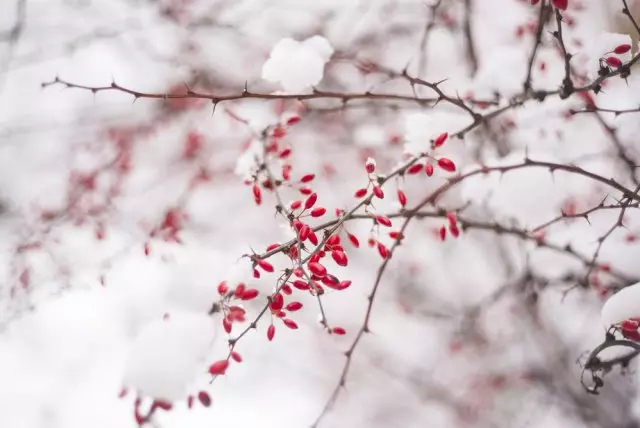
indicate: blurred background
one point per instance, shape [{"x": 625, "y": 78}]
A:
[{"x": 485, "y": 330}]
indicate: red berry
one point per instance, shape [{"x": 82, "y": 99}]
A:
[
  {"x": 227, "y": 325},
  {"x": 414, "y": 169},
  {"x": 452, "y": 219},
  {"x": 340, "y": 258},
  {"x": 613, "y": 61},
  {"x": 277, "y": 302},
  {"x": 164, "y": 405},
  {"x": 360, "y": 193},
  {"x": 318, "y": 212},
  {"x": 265, "y": 265},
  {"x": 383, "y": 220},
  {"x": 204, "y": 398},
  {"x": 223, "y": 288},
  {"x": 290, "y": 323},
  {"x": 443, "y": 233},
  {"x": 307, "y": 178},
  {"x": 354, "y": 240},
  {"x": 271, "y": 331},
  {"x": 293, "y": 120},
  {"x": 257, "y": 194},
  {"x": 236, "y": 356},
  {"x": 343, "y": 285},
  {"x": 370, "y": 166},
  {"x": 333, "y": 240},
  {"x": 300, "y": 285},
  {"x": 219, "y": 367},
  {"x": 311, "y": 200},
  {"x": 305, "y": 232},
  {"x": 293, "y": 306},
  {"x": 396, "y": 235},
  {"x": 338, "y": 330},
  {"x": 402, "y": 198},
  {"x": 313, "y": 238},
  {"x": 295, "y": 205},
  {"x": 250, "y": 294},
  {"x": 377, "y": 191},
  {"x": 621, "y": 49},
  {"x": 428, "y": 168},
  {"x": 286, "y": 171},
  {"x": 440, "y": 140},
  {"x": 317, "y": 269},
  {"x": 239, "y": 291},
  {"x": 286, "y": 289},
  {"x": 560, "y": 4},
  {"x": 446, "y": 164},
  {"x": 279, "y": 132},
  {"x": 383, "y": 251}
]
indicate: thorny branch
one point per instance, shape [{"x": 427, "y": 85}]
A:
[
  {"x": 431, "y": 23},
  {"x": 567, "y": 84},
  {"x": 543, "y": 16},
  {"x": 472, "y": 56},
  {"x": 599, "y": 367}
]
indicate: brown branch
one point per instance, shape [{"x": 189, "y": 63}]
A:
[
  {"x": 472, "y": 56},
  {"x": 627, "y": 12},
  {"x": 245, "y": 94},
  {"x": 431, "y": 23},
  {"x": 543, "y": 16},
  {"x": 13, "y": 34},
  {"x": 603, "y": 238},
  {"x": 620, "y": 149},
  {"x": 584, "y": 214},
  {"x": 606, "y": 110},
  {"x": 567, "y": 87}
]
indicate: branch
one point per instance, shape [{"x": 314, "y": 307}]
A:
[
  {"x": 606, "y": 110},
  {"x": 542, "y": 18},
  {"x": 245, "y": 94},
  {"x": 567, "y": 84},
  {"x": 468, "y": 34},
  {"x": 627, "y": 12},
  {"x": 431, "y": 23}
]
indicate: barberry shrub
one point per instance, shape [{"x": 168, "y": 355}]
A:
[{"x": 393, "y": 213}]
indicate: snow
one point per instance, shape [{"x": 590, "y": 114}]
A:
[
  {"x": 297, "y": 66},
  {"x": 168, "y": 355},
  {"x": 621, "y": 306}
]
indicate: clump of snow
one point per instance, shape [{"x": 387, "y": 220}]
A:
[
  {"x": 623, "y": 305},
  {"x": 296, "y": 66},
  {"x": 491, "y": 76},
  {"x": 168, "y": 355}
]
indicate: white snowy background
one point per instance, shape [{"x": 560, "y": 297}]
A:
[{"x": 456, "y": 340}]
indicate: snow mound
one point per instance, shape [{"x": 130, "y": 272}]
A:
[
  {"x": 297, "y": 66},
  {"x": 168, "y": 354},
  {"x": 623, "y": 305}
]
